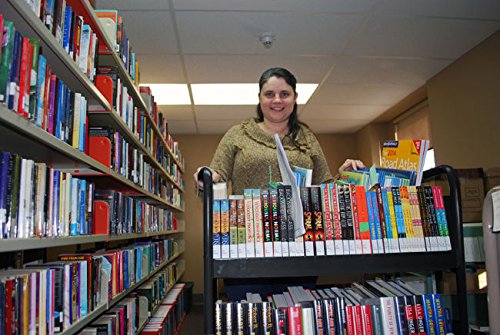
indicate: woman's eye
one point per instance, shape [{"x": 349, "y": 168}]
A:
[
  {"x": 285, "y": 94},
  {"x": 269, "y": 94}
]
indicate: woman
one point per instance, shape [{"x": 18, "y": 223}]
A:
[
  {"x": 246, "y": 156},
  {"x": 247, "y": 152}
]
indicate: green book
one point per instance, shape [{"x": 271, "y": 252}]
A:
[
  {"x": 33, "y": 97},
  {"x": 6, "y": 61}
]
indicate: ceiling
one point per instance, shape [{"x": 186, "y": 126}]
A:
[{"x": 366, "y": 55}]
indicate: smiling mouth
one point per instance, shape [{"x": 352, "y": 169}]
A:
[{"x": 277, "y": 109}]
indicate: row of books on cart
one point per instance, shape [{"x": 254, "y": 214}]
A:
[
  {"x": 339, "y": 219},
  {"x": 373, "y": 307}
]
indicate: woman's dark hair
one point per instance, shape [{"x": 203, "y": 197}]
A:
[{"x": 293, "y": 121}]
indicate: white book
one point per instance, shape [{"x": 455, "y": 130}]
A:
[
  {"x": 84, "y": 47},
  {"x": 23, "y": 180}
]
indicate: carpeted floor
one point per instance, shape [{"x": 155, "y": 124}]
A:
[{"x": 193, "y": 324}]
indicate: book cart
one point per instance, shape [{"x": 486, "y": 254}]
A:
[
  {"x": 341, "y": 265},
  {"x": 21, "y": 136}
]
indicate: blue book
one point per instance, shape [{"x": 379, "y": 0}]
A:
[
  {"x": 371, "y": 221},
  {"x": 82, "y": 207},
  {"x": 74, "y": 222},
  {"x": 4, "y": 179},
  {"x": 376, "y": 217},
  {"x": 59, "y": 111},
  {"x": 82, "y": 123},
  {"x": 138, "y": 262},
  {"x": 56, "y": 228},
  {"x": 439, "y": 312},
  {"x": 84, "y": 303},
  {"x": 67, "y": 29},
  {"x": 126, "y": 281},
  {"x": 40, "y": 89},
  {"x": 430, "y": 315},
  {"x": 388, "y": 222},
  {"x": 400, "y": 222}
]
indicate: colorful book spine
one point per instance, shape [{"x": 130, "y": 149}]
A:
[
  {"x": 328, "y": 221},
  {"x": 285, "y": 250},
  {"x": 364, "y": 225},
  {"x": 337, "y": 226},
  {"x": 216, "y": 230},
  {"x": 242, "y": 240},
  {"x": 249, "y": 224},
  {"x": 233, "y": 227},
  {"x": 305, "y": 198},
  {"x": 224, "y": 228},
  {"x": 358, "y": 246}
]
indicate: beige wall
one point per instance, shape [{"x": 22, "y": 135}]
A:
[
  {"x": 198, "y": 150},
  {"x": 464, "y": 102}
]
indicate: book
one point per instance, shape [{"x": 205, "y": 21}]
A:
[{"x": 405, "y": 155}]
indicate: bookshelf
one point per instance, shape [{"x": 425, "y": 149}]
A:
[
  {"x": 342, "y": 265},
  {"x": 22, "y": 137}
]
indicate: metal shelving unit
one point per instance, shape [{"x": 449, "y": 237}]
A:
[
  {"x": 341, "y": 265},
  {"x": 23, "y": 137}
]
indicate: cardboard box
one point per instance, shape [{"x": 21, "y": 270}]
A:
[
  {"x": 492, "y": 176},
  {"x": 472, "y": 193}
]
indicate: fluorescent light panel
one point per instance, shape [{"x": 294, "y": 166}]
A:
[
  {"x": 170, "y": 94},
  {"x": 218, "y": 94}
]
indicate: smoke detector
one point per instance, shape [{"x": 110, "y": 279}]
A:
[{"x": 267, "y": 40}]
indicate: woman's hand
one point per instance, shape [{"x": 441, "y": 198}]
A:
[
  {"x": 351, "y": 164},
  {"x": 199, "y": 183}
]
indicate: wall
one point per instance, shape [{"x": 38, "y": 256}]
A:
[
  {"x": 369, "y": 140},
  {"x": 464, "y": 102},
  {"x": 198, "y": 150}
]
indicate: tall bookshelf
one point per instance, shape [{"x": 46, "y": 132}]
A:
[
  {"x": 342, "y": 265},
  {"x": 21, "y": 136}
]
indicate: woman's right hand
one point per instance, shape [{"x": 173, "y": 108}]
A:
[{"x": 199, "y": 183}]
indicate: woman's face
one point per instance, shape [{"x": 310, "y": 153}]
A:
[{"x": 277, "y": 100}]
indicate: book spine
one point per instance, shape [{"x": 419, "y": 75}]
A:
[
  {"x": 285, "y": 250},
  {"x": 258, "y": 225},
  {"x": 327, "y": 214},
  {"x": 318, "y": 223},
  {"x": 216, "y": 230},
  {"x": 249, "y": 224},
  {"x": 224, "y": 228},
  {"x": 358, "y": 245},
  {"x": 308, "y": 221},
  {"x": 240, "y": 209},
  {"x": 267, "y": 225},
  {"x": 233, "y": 228},
  {"x": 275, "y": 220},
  {"x": 337, "y": 226}
]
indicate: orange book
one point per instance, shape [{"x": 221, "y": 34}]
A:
[{"x": 109, "y": 23}]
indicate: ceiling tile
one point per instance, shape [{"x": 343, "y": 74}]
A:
[
  {"x": 215, "y": 127},
  {"x": 360, "y": 95},
  {"x": 150, "y": 32},
  {"x": 474, "y": 9},
  {"x": 248, "y": 68},
  {"x": 155, "y": 69},
  {"x": 341, "y": 6},
  {"x": 233, "y": 113},
  {"x": 354, "y": 112},
  {"x": 419, "y": 37},
  {"x": 238, "y": 32},
  {"x": 133, "y": 5},
  {"x": 385, "y": 71}
]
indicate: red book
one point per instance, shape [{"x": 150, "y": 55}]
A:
[
  {"x": 77, "y": 33},
  {"x": 10, "y": 293},
  {"x": 366, "y": 314},
  {"x": 349, "y": 315},
  {"x": 294, "y": 321},
  {"x": 1, "y": 33},
  {"x": 358, "y": 320},
  {"x": 23, "y": 75}
]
